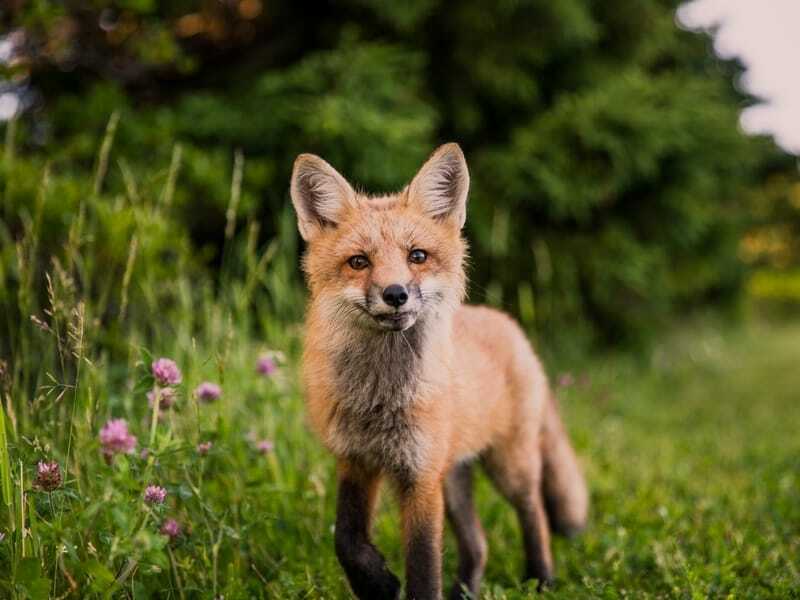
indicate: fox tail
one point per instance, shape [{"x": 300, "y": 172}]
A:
[{"x": 563, "y": 485}]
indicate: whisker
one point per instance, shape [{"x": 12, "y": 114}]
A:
[{"x": 405, "y": 339}]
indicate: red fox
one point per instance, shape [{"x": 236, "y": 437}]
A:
[{"x": 405, "y": 382}]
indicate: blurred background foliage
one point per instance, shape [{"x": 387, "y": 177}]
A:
[{"x": 612, "y": 187}]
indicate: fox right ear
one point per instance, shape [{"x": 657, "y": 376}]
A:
[{"x": 319, "y": 194}]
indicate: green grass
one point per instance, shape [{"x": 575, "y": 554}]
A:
[
  {"x": 693, "y": 461},
  {"x": 692, "y": 458},
  {"x": 692, "y": 452}
]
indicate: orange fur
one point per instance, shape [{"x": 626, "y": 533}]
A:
[{"x": 413, "y": 392}]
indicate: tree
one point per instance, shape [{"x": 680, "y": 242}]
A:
[{"x": 608, "y": 168}]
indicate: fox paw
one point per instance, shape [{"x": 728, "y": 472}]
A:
[{"x": 387, "y": 588}]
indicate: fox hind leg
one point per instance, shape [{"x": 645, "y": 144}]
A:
[
  {"x": 516, "y": 470},
  {"x": 472, "y": 547}
]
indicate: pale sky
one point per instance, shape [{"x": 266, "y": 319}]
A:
[{"x": 765, "y": 36}]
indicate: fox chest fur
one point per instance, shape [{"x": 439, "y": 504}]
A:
[{"x": 377, "y": 380}]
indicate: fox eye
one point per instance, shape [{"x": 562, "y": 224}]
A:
[
  {"x": 418, "y": 256},
  {"x": 358, "y": 262}
]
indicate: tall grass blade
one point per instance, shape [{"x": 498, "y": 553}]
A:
[
  {"x": 236, "y": 193},
  {"x": 172, "y": 176},
  {"x": 5, "y": 470},
  {"x": 126, "y": 277},
  {"x": 105, "y": 151}
]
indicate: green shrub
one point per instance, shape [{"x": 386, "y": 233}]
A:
[{"x": 610, "y": 178}]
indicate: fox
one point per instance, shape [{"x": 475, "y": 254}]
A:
[{"x": 405, "y": 383}]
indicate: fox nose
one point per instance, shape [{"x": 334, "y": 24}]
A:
[{"x": 395, "y": 295}]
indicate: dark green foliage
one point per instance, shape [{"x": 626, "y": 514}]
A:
[{"x": 608, "y": 168}]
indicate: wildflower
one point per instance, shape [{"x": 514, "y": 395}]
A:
[
  {"x": 48, "y": 476},
  {"x": 566, "y": 380},
  {"x": 208, "y": 392},
  {"x": 171, "y": 528},
  {"x": 265, "y": 446},
  {"x": 166, "y": 372},
  {"x": 155, "y": 494},
  {"x": 266, "y": 365},
  {"x": 144, "y": 454},
  {"x": 167, "y": 397},
  {"x": 115, "y": 438},
  {"x": 203, "y": 448}
]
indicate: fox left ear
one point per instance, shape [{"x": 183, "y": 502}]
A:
[{"x": 440, "y": 188}]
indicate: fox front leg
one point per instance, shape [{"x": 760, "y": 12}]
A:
[
  {"x": 423, "y": 517},
  {"x": 363, "y": 564}
]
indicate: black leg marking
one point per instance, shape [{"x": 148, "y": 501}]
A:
[
  {"x": 536, "y": 540},
  {"x": 423, "y": 519},
  {"x": 364, "y": 565},
  {"x": 472, "y": 548},
  {"x": 520, "y": 482},
  {"x": 423, "y": 565}
]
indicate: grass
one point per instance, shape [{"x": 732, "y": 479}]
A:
[
  {"x": 692, "y": 458},
  {"x": 691, "y": 452}
]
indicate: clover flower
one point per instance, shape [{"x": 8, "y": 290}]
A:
[
  {"x": 204, "y": 447},
  {"x": 266, "y": 365},
  {"x": 208, "y": 392},
  {"x": 265, "y": 446},
  {"x": 155, "y": 494},
  {"x": 48, "y": 476},
  {"x": 115, "y": 438},
  {"x": 171, "y": 528},
  {"x": 166, "y": 372},
  {"x": 566, "y": 380},
  {"x": 167, "y": 397}
]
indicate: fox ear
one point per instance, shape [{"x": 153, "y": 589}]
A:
[
  {"x": 319, "y": 194},
  {"x": 440, "y": 188}
]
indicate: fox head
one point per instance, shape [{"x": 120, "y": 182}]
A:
[{"x": 384, "y": 263}]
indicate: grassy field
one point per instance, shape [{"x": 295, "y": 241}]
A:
[
  {"x": 692, "y": 456},
  {"x": 692, "y": 451}
]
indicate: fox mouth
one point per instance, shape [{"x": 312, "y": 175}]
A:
[
  {"x": 391, "y": 320},
  {"x": 395, "y": 321}
]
